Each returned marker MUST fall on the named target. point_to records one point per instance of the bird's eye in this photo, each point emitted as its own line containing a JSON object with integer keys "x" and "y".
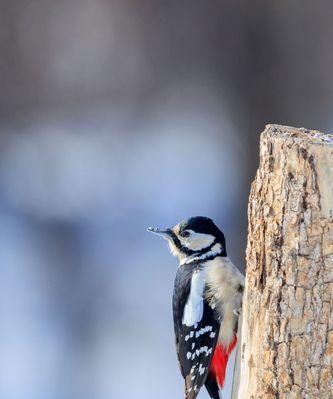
{"x": 186, "y": 234}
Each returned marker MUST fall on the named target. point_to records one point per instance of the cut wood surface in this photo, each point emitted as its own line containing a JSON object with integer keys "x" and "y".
{"x": 286, "y": 348}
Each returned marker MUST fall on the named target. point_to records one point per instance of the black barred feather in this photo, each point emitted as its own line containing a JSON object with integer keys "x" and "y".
{"x": 195, "y": 344}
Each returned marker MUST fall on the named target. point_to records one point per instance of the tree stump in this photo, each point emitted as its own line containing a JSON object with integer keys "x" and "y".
{"x": 287, "y": 333}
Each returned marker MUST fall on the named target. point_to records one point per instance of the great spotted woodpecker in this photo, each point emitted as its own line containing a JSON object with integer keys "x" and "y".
{"x": 207, "y": 299}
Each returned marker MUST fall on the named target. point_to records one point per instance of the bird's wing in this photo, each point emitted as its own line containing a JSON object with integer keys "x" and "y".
{"x": 195, "y": 343}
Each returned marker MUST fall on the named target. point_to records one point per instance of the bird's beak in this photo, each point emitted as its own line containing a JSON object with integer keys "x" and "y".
{"x": 165, "y": 233}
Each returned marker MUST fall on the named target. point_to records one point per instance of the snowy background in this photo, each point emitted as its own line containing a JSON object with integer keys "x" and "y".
{"x": 117, "y": 115}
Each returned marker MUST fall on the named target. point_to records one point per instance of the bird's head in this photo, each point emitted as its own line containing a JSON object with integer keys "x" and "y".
{"x": 193, "y": 238}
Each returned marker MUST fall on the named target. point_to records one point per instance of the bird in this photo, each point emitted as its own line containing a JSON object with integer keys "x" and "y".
{"x": 207, "y": 301}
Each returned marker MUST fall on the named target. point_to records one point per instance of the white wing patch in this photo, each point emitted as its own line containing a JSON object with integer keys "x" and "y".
{"x": 193, "y": 310}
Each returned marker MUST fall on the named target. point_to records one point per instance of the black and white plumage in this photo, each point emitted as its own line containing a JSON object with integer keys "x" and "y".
{"x": 195, "y": 342}
{"x": 206, "y": 303}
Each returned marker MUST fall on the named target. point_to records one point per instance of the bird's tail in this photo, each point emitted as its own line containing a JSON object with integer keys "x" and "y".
{"x": 212, "y": 387}
{"x": 220, "y": 360}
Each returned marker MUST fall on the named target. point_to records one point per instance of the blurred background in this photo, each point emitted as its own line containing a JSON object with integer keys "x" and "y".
{"x": 116, "y": 115}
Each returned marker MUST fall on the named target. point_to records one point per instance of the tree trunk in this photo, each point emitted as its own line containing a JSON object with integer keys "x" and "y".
{"x": 287, "y": 332}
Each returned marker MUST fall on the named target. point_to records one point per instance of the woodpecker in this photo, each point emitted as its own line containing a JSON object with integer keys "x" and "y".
{"x": 207, "y": 300}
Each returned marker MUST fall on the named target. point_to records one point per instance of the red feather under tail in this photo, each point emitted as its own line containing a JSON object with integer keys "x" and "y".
{"x": 220, "y": 360}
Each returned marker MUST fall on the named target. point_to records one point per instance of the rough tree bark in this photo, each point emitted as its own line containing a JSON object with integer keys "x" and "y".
{"x": 286, "y": 347}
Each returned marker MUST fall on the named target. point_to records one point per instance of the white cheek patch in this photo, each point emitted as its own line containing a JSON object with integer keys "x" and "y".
{"x": 197, "y": 241}
{"x": 193, "y": 310}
